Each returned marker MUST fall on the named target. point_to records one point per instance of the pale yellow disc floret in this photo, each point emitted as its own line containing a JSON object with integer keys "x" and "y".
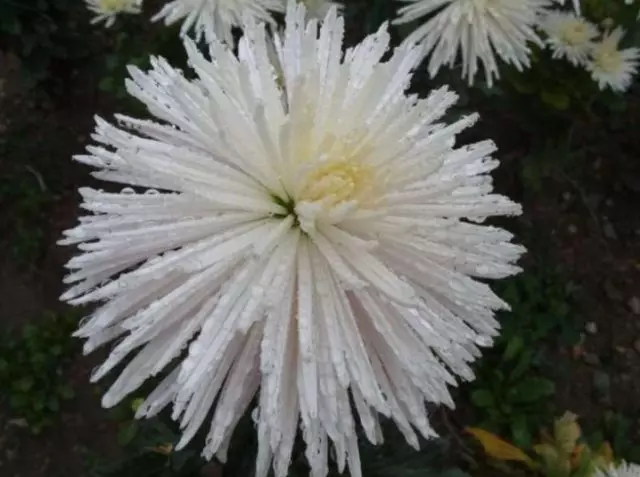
{"x": 575, "y": 32}
{"x": 608, "y": 60}
{"x": 113, "y": 6}
{"x": 337, "y": 181}
{"x": 330, "y": 188}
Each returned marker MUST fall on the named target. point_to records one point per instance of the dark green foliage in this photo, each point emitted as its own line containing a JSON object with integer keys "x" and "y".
{"x": 620, "y": 431}
{"x": 46, "y": 35}
{"x": 144, "y": 454}
{"x": 514, "y": 387}
{"x": 29, "y": 200}
{"x": 31, "y": 369}
{"x": 147, "y": 454}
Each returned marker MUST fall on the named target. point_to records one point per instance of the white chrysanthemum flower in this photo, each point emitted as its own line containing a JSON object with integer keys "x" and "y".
{"x": 477, "y": 30}
{"x": 610, "y": 66}
{"x": 622, "y": 470}
{"x": 576, "y": 4}
{"x": 214, "y": 19}
{"x": 568, "y": 35}
{"x": 107, "y": 10}
{"x": 314, "y": 244}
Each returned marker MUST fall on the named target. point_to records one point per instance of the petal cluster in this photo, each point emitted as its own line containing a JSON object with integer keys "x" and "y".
{"x": 215, "y": 19}
{"x": 624, "y": 469}
{"x": 611, "y": 66}
{"x": 569, "y": 36}
{"x": 303, "y": 235}
{"x": 479, "y": 32}
{"x": 107, "y": 10}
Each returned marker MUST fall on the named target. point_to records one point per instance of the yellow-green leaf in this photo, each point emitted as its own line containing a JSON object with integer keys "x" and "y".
{"x": 577, "y": 455}
{"x": 554, "y": 462}
{"x": 546, "y": 451}
{"x": 566, "y": 432}
{"x": 499, "y": 449}
{"x": 136, "y": 403}
{"x": 604, "y": 457}
{"x": 557, "y": 100}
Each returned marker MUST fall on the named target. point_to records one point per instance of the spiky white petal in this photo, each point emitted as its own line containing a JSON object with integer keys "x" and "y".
{"x": 477, "y": 31}
{"x": 107, "y": 10}
{"x": 310, "y": 234}
{"x": 568, "y": 35}
{"x": 610, "y": 66}
{"x": 623, "y": 469}
{"x": 215, "y": 19}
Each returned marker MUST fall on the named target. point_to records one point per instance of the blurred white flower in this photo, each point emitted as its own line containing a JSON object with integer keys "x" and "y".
{"x": 568, "y": 35}
{"x": 215, "y": 19}
{"x": 312, "y": 239}
{"x": 477, "y": 30}
{"x": 610, "y": 66}
{"x": 622, "y": 470}
{"x": 107, "y": 10}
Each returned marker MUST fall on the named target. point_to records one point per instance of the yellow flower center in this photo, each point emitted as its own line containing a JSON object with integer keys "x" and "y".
{"x": 339, "y": 181}
{"x": 575, "y": 33}
{"x": 608, "y": 60}
{"x": 113, "y": 6}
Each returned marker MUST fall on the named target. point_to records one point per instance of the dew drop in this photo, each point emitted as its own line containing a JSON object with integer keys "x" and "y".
{"x": 483, "y": 341}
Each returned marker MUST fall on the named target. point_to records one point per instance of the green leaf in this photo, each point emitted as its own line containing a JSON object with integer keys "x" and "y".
{"x": 112, "y": 62}
{"x": 127, "y": 433}
{"x": 38, "y": 359}
{"x": 53, "y": 404}
{"x": 602, "y": 383}
{"x": 38, "y": 404}
{"x": 180, "y": 459}
{"x": 18, "y": 401}
{"x": 482, "y": 398}
{"x": 29, "y": 332}
{"x": 522, "y": 86}
{"x": 25, "y": 384}
{"x": 533, "y": 389}
{"x": 515, "y": 345}
{"x": 106, "y": 84}
{"x": 66, "y": 392}
{"x": 520, "y": 432}
{"x": 453, "y": 473}
{"x": 136, "y": 403}
{"x": 523, "y": 365}
{"x": 557, "y": 100}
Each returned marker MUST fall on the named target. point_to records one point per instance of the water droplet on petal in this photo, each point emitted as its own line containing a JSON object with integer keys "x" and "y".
{"x": 483, "y": 341}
